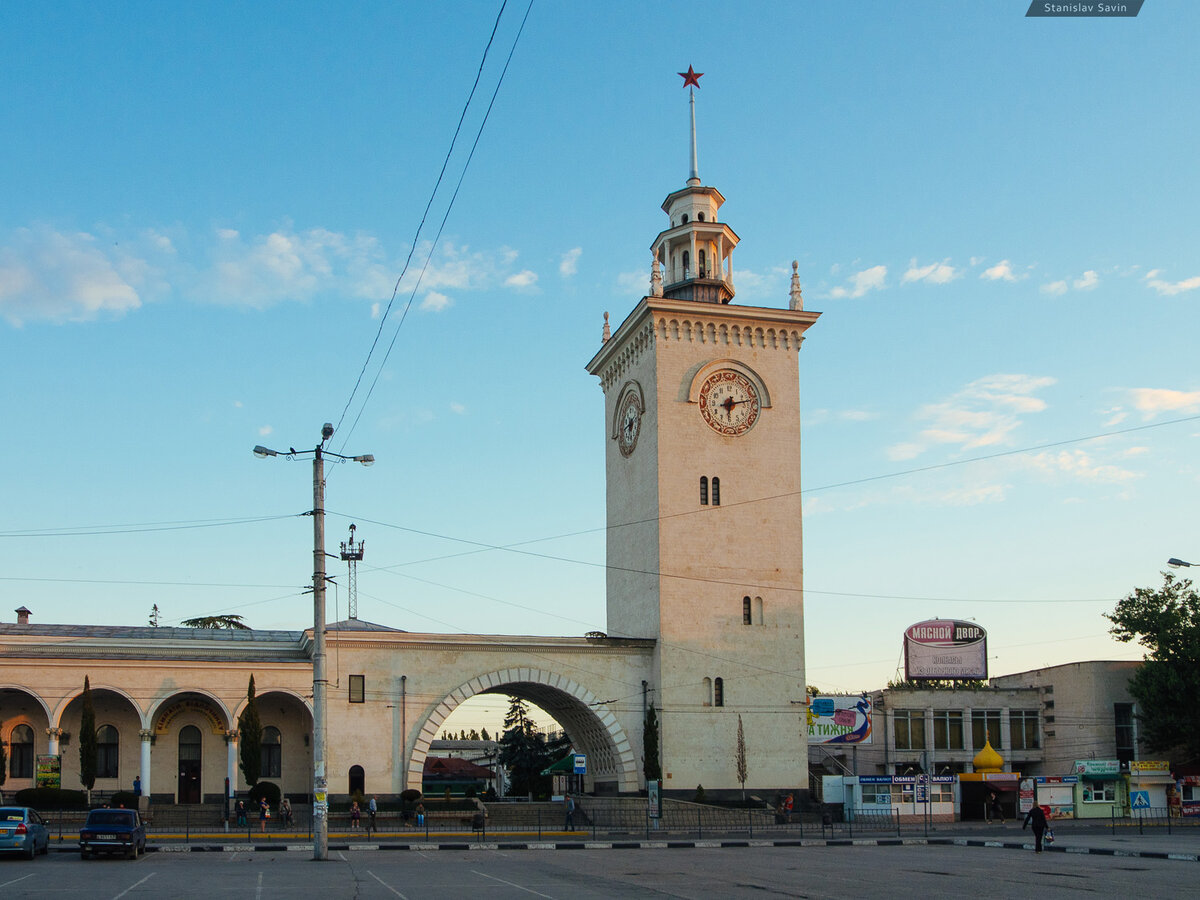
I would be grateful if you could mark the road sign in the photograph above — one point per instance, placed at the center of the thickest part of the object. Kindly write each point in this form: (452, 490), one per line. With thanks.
(580, 764)
(1140, 799)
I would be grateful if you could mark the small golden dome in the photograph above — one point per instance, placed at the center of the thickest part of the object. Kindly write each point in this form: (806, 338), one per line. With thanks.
(988, 760)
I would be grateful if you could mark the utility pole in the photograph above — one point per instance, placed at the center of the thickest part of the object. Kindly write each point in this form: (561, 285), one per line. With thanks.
(320, 808)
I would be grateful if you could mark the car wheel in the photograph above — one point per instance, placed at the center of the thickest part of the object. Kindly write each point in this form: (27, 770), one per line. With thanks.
(32, 851)
(83, 854)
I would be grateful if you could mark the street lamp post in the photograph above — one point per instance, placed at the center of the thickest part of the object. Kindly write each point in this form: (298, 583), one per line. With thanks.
(1175, 563)
(320, 807)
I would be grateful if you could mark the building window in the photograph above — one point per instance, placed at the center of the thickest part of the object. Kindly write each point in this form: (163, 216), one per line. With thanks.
(746, 613)
(716, 491)
(1100, 792)
(947, 729)
(699, 217)
(704, 490)
(718, 692)
(683, 220)
(687, 259)
(1123, 716)
(272, 753)
(910, 729)
(20, 752)
(985, 728)
(358, 688)
(107, 752)
(708, 692)
(703, 268)
(1023, 728)
(758, 611)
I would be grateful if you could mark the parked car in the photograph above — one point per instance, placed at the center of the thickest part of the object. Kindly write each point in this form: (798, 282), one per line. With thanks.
(23, 830)
(112, 831)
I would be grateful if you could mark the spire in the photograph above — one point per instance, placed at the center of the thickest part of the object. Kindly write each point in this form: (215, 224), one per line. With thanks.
(655, 276)
(691, 80)
(795, 299)
(607, 332)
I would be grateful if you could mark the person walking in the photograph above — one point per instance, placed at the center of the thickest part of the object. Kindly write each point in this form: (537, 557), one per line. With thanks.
(285, 813)
(372, 808)
(1037, 818)
(569, 807)
(787, 809)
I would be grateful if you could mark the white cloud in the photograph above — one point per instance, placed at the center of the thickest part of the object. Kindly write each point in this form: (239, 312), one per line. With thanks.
(237, 404)
(1080, 465)
(1171, 288)
(435, 302)
(569, 264)
(861, 282)
(1086, 281)
(376, 309)
(61, 277)
(458, 409)
(1151, 402)
(983, 414)
(935, 273)
(976, 260)
(265, 430)
(1001, 271)
(1055, 288)
(523, 279)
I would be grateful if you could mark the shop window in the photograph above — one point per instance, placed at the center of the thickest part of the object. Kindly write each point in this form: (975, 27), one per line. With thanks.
(1099, 792)
(107, 752)
(272, 753)
(20, 752)
(910, 729)
(1023, 728)
(947, 729)
(358, 688)
(985, 728)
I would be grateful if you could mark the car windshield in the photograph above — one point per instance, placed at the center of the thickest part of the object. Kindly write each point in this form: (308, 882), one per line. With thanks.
(12, 815)
(110, 817)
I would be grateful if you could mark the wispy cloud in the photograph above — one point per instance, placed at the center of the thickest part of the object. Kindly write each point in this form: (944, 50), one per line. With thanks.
(569, 264)
(60, 277)
(434, 301)
(1080, 465)
(934, 273)
(1171, 288)
(1151, 402)
(1086, 281)
(1002, 271)
(982, 414)
(523, 279)
(870, 279)
(1055, 288)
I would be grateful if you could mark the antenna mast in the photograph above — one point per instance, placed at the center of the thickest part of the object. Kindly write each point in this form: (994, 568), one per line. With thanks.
(352, 553)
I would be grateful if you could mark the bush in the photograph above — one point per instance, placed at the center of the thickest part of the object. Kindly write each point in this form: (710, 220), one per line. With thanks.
(51, 798)
(412, 795)
(267, 789)
(699, 798)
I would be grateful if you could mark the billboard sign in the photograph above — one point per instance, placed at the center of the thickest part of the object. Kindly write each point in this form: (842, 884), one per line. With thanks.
(842, 719)
(945, 648)
(49, 771)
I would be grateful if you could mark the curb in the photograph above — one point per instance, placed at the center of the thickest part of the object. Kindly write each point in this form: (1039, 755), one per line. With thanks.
(423, 847)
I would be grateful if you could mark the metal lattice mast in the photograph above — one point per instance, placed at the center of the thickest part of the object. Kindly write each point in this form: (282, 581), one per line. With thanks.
(352, 553)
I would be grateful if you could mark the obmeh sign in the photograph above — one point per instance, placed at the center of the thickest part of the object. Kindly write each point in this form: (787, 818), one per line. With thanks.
(945, 648)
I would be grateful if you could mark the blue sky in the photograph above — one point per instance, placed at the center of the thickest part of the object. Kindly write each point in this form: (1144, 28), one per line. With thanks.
(206, 209)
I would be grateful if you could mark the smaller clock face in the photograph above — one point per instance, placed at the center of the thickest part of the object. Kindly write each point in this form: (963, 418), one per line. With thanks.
(629, 424)
(729, 402)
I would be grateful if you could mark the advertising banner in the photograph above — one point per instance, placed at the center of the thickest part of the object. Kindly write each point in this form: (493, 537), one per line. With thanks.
(945, 648)
(842, 719)
(49, 771)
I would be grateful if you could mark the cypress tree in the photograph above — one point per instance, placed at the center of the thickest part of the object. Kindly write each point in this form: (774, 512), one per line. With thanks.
(250, 732)
(651, 764)
(88, 749)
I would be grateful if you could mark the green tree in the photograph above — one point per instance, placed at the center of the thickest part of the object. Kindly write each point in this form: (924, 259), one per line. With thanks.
(250, 731)
(740, 757)
(3, 762)
(651, 762)
(233, 623)
(1166, 622)
(483, 734)
(87, 740)
(523, 751)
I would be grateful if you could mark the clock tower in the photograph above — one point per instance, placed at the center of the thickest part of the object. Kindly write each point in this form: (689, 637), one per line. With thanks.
(702, 427)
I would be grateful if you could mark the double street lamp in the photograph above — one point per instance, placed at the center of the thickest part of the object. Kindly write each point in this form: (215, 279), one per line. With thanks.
(320, 807)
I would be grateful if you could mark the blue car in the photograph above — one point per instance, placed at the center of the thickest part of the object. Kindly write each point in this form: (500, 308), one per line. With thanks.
(24, 831)
(113, 831)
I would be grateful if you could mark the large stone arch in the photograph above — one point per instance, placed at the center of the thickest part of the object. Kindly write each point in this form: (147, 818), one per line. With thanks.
(113, 706)
(153, 715)
(60, 710)
(32, 695)
(591, 727)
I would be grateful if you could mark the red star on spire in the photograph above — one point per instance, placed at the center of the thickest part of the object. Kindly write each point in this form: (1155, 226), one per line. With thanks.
(691, 77)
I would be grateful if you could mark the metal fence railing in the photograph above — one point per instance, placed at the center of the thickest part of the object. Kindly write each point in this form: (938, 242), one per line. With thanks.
(1154, 819)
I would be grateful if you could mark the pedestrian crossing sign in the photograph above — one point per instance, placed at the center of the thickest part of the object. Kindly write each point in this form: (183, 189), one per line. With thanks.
(1140, 799)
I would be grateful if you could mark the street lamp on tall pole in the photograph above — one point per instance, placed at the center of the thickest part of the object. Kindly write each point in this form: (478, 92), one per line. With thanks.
(320, 806)
(1179, 563)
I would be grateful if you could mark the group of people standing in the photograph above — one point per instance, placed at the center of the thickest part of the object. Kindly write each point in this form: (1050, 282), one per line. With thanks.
(285, 817)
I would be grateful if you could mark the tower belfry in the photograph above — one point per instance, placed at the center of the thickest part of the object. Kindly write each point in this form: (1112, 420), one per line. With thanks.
(696, 251)
(352, 553)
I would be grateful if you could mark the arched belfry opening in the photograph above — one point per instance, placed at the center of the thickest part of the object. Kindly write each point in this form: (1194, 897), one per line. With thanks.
(592, 729)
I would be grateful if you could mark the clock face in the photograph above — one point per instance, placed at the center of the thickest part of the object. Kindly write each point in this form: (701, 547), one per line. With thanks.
(629, 424)
(729, 403)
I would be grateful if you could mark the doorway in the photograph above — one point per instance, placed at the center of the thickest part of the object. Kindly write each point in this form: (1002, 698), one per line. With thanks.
(358, 780)
(189, 764)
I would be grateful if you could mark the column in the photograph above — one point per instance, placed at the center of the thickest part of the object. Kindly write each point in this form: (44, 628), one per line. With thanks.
(147, 737)
(231, 738)
(54, 734)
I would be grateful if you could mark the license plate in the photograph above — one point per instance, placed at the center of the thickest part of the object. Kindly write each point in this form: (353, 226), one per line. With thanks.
(106, 837)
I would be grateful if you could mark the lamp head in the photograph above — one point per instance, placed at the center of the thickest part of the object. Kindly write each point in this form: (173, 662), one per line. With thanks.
(1175, 563)
(263, 452)
(367, 459)
(326, 431)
